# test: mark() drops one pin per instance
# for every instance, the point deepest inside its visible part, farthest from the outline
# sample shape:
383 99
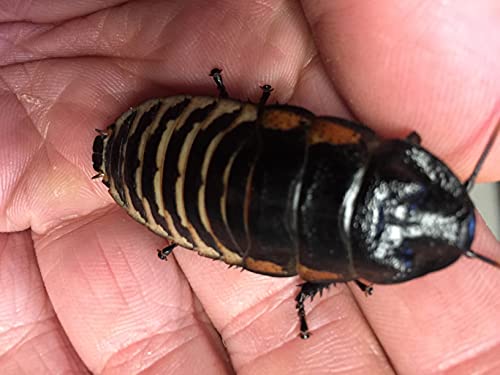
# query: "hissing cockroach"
279 191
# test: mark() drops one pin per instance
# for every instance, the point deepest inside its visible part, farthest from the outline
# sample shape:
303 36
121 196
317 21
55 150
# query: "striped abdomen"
252 189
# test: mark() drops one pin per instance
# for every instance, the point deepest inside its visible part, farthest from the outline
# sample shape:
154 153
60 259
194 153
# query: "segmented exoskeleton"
279 191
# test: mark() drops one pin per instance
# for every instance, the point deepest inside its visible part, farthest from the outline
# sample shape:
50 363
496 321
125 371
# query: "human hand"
81 284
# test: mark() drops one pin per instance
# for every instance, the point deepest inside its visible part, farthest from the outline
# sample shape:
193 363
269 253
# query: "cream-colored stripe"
248 113
128 200
140 156
105 177
225 182
158 179
150 220
246 205
230 256
112 183
221 108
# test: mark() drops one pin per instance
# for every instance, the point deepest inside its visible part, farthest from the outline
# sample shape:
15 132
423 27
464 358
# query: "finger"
31 337
121 307
359 70
174 44
50 11
400 67
446 321
257 319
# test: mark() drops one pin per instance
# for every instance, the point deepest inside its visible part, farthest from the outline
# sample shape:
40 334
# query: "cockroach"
280 191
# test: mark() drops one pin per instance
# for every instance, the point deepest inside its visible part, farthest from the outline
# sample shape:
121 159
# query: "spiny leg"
266 92
216 74
163 253
365 288
307 289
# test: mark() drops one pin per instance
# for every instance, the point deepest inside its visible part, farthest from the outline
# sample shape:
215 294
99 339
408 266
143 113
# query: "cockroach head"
412 215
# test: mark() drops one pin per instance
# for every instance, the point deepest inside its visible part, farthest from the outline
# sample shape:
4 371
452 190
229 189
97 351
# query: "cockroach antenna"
469 184
471 254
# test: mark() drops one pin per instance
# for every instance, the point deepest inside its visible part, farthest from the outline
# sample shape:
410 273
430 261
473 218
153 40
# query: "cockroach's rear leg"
307 289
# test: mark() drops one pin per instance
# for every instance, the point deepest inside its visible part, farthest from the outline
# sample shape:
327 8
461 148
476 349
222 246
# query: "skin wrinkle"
113 276
117 57
26 337
24 174
271 350
43 134
170 332
131 269
29 329
34 339
316 56
195 323
313 306
173 351
464 356
46 239
301 21
43 145
371 328
10 198
55 20
256 316
12 43
481 133
454 363
265 354
357 111
116 282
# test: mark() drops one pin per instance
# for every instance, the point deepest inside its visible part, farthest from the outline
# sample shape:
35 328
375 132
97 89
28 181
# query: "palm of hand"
69 251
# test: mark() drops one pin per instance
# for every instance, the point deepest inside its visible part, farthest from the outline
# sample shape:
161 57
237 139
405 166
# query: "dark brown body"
279 191
251 189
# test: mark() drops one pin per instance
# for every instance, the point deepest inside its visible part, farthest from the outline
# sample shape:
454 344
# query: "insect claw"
216 74
215 71
266 88
472 254
161 255
365 288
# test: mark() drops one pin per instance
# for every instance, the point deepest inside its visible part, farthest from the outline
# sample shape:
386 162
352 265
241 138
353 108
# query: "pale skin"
81 286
